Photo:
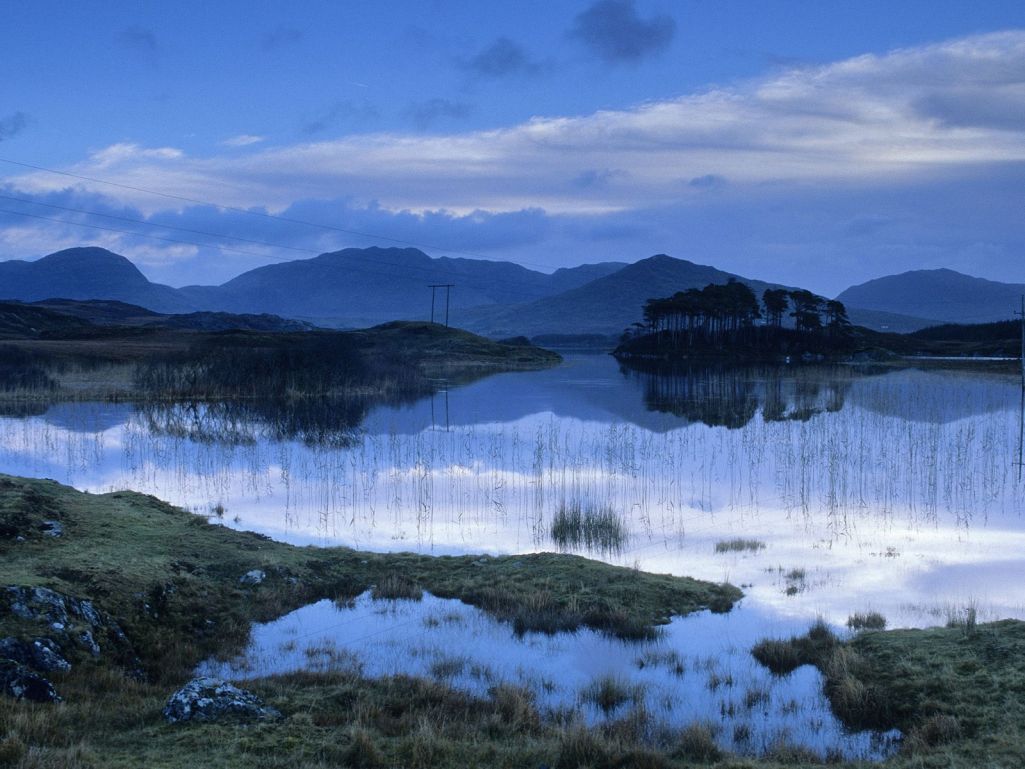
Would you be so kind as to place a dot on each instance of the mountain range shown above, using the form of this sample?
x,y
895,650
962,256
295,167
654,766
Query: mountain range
x,y
362,287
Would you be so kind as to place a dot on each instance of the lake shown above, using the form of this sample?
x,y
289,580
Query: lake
x,y
848,490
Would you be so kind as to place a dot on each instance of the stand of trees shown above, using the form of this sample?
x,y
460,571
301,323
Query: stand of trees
x,y
729,317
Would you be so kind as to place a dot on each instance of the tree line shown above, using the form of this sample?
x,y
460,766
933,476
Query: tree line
x,y
730,312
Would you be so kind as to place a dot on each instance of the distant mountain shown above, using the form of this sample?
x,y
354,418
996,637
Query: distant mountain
x,y
362,287
941,296
86,273
888,321
606,305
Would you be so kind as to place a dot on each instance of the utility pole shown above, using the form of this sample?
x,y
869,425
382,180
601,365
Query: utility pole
x,y
448,288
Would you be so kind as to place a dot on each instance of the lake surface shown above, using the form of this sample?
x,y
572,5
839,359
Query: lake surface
x,y
897,492
893,491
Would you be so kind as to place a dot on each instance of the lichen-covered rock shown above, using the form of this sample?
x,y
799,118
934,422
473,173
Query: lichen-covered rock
x,y
21,683
70,622
211,699
254,577
42,654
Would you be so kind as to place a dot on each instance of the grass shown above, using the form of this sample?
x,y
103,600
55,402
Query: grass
x,y
956,695
597,527
171,580
872,620
739,545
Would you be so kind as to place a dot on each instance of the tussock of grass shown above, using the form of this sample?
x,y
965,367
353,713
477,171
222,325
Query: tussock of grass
x,y
739,545
872,620
595,527
396,587
609,693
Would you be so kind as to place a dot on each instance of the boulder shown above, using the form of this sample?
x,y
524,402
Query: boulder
x,y
21,683
253,577
211,699
41,654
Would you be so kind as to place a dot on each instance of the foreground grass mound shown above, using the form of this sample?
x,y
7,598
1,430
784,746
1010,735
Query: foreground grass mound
x,y
171,589
957,693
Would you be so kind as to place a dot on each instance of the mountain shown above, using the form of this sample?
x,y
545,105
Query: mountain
x,y
86,273
606,305
941,296
360,287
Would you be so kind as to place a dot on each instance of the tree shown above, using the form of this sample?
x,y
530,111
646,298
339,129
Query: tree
x,y
776,302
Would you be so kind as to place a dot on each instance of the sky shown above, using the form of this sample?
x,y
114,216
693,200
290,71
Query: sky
x,y
817,143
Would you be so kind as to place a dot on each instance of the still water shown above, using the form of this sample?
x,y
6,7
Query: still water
x,y
891,491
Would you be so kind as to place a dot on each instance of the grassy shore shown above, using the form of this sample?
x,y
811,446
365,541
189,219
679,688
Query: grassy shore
x,y
956,692
172,581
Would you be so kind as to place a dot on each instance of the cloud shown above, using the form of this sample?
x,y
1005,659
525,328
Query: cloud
x,y
242,140
613,31
344,113
426,113
853,122
812,157
13,124
281,37
501,58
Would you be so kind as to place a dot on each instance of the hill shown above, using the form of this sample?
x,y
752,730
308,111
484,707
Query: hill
x,y
606,305
942,296
359,287
86,273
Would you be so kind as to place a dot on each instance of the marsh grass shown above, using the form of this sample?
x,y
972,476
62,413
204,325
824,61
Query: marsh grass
x,y
396,587
872,620
739,545
596,528
611,692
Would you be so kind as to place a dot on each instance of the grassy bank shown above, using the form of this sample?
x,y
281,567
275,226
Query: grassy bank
x,y
174,584
956,692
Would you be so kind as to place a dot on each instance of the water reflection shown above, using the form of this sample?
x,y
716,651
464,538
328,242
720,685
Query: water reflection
x,y
874,483
699,671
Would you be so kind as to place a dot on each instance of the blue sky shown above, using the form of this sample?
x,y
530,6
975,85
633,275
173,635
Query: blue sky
x,y
815,143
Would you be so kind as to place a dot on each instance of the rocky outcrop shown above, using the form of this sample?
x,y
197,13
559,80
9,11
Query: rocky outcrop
x,y
66,628
21,683
41,654
211,699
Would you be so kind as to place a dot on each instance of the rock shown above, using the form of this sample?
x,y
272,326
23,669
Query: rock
x,y
211,699
52,528
254,577
73,622
21,683
40,654
39,603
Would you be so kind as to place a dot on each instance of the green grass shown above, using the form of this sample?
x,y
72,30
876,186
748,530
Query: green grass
x,y
596,527
171,580
958,695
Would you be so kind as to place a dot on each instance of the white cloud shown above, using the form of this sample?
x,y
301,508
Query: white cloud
x,y
242,140
871,135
